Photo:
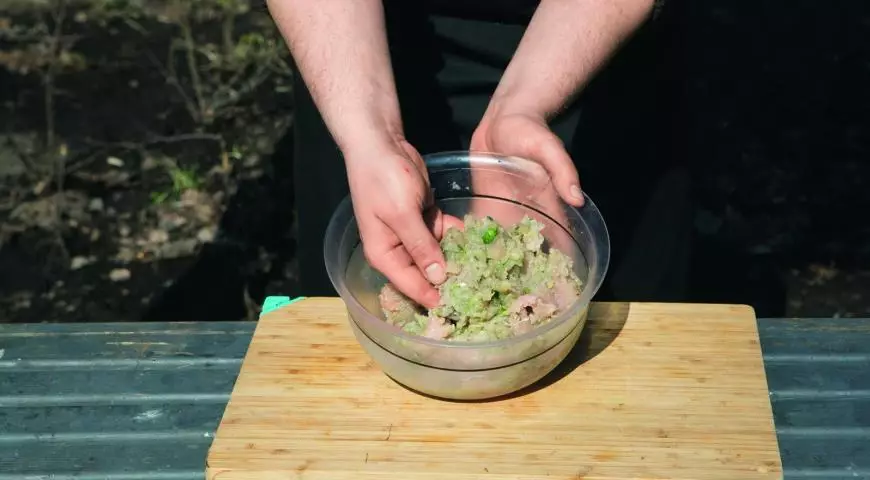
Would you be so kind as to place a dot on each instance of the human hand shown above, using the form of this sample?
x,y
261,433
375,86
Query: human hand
x,y
528,136
398,222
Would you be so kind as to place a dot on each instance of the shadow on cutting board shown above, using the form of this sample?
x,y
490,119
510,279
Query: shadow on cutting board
x,y
603,325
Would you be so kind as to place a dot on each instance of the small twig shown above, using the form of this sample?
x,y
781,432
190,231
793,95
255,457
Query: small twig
x,y
192,66
58,15
85,160
61,244
135,26
170,61
246,88
226,87
280,68
48,94
184,137
169,75
228,33
252,308
105,148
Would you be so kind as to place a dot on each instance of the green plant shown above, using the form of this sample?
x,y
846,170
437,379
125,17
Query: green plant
x,y
37,43
211,67
183,179
219,53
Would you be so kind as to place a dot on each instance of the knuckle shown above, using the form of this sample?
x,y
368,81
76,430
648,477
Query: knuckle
x,y
550,146
419,248
397,212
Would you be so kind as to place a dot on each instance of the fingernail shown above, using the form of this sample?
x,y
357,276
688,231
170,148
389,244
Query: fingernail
x,y
435,274
576,192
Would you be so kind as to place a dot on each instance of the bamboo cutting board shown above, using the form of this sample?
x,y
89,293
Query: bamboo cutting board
x,y
653,391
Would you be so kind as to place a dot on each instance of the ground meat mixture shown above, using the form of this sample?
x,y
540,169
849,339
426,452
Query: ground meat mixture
x,y
500,283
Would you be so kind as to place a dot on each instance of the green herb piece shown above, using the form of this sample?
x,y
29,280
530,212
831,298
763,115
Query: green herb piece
x,y
490,234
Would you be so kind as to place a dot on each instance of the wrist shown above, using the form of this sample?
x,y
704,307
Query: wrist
x,y
514,102
370,144
363,116
364,136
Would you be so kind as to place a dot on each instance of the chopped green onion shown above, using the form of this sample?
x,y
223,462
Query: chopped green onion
x,y
490,233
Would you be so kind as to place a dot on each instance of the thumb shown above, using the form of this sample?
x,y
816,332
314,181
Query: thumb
x,y
422,247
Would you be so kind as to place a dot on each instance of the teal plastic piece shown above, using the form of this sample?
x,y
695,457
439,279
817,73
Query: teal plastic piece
x,y
275,302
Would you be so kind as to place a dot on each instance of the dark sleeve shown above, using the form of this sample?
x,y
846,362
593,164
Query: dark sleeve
x,y
657,8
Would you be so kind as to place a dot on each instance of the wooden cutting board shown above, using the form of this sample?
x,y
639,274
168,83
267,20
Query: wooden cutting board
x,y
652,391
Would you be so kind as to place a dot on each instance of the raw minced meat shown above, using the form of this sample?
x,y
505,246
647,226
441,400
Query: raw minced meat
x,y
500,283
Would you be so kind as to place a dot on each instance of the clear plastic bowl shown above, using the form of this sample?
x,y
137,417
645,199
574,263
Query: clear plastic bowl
x,y
506,188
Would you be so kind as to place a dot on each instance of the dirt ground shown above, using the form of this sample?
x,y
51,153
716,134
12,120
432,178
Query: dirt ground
x,y
137,212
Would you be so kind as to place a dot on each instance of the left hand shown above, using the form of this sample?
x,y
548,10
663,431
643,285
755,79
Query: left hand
x,y
528,136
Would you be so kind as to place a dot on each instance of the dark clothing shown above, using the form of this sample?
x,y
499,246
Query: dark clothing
x,y
503,11
446,68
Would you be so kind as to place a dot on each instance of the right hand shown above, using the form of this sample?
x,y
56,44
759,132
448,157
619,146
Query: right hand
x,y
398,222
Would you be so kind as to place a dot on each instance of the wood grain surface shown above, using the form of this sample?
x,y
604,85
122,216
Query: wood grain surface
x,y
652,391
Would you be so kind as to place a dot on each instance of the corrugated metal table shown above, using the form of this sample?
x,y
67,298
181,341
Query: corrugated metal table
x,y
137,401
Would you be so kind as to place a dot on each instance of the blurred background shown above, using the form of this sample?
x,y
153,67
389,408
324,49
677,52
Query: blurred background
x,y
146,155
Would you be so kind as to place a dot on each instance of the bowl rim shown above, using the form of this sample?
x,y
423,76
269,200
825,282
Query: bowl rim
x,y
438,161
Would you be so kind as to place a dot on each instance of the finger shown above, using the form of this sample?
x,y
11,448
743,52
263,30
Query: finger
x,y
439,222
538,193
548,202
386,255
546,148
450,221
421,245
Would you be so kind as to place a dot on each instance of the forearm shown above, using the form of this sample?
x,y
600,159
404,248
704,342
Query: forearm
x,y
566,42
340,50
